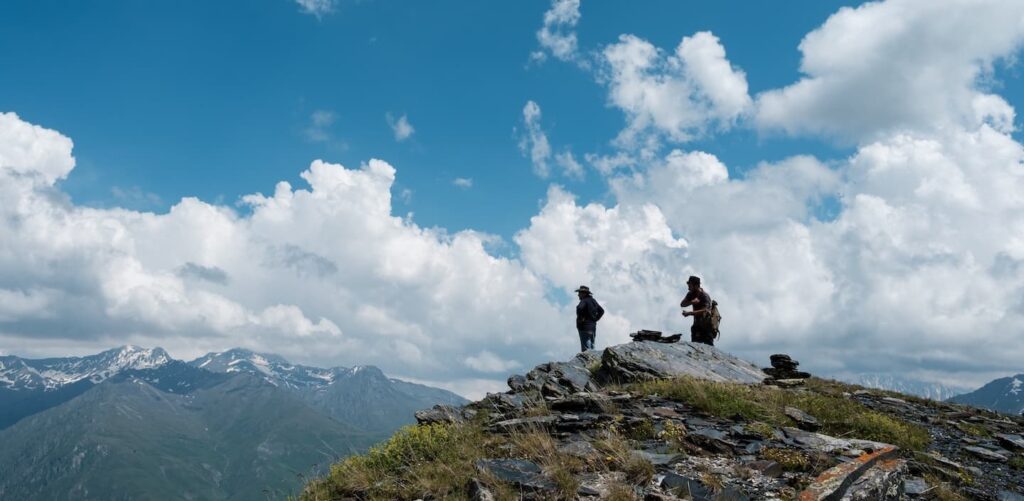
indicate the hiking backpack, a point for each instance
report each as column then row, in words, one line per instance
column 716, row 318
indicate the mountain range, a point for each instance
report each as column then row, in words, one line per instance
column 932, row 391
column 133, row 423
column 1003, row 395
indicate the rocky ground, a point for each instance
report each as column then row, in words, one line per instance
column 662, row 421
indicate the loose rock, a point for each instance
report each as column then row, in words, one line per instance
column 803, row 420
column 766, row 468
column 985, row 454
column 517, row 472
column 439, row 414
column 1011, row 441
column 914, row 487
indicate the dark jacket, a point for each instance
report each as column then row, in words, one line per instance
column 588, row 312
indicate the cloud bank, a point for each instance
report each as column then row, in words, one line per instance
column 285, row 277
column 917, row 268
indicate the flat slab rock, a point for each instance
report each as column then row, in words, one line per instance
column 641, row 360
column 1011, row 441
column 985, row 454
column 883, row 481
column 803, row 420
column 870, row 476
column 517, row 472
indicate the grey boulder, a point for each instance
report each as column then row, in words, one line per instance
column 641, row 361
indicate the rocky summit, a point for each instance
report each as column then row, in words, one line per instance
column 657, row 421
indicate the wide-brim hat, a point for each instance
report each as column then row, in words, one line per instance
column 693, row 280
column 583, row 288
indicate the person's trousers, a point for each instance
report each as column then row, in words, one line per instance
column 702, row 334
column 587, row 339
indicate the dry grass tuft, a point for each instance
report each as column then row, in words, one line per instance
column 621, row 492
column 618, row 456
column 942, row 491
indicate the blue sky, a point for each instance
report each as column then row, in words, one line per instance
column 845, row 177
column 211, row 99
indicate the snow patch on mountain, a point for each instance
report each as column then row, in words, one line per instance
column 272, row 368
column 19, row 373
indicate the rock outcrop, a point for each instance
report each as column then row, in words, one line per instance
column 640, row 361
column 691, row 453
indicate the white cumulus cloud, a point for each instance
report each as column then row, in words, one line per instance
column 678, row 96
column 899, row 65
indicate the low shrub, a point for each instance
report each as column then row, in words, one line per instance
column 789, row 459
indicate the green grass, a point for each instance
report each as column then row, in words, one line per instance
column 1017, row 463
column 641, row 430
column 838, row 416
column 437, row 459
column 763, row 430
column 974, row 429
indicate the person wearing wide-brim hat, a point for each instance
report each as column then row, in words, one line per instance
column 701, row 331
column 588, row 312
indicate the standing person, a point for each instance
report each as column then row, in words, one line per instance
column 588, row 312
column 701, row 331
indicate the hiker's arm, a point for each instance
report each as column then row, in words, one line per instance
column 694, row 312
column 687, row 301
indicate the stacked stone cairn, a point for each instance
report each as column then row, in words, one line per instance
column 783, row 372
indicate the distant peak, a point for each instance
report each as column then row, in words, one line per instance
column 367, row 370
column 127, row 348
column 232, row 354
column 131, row 349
